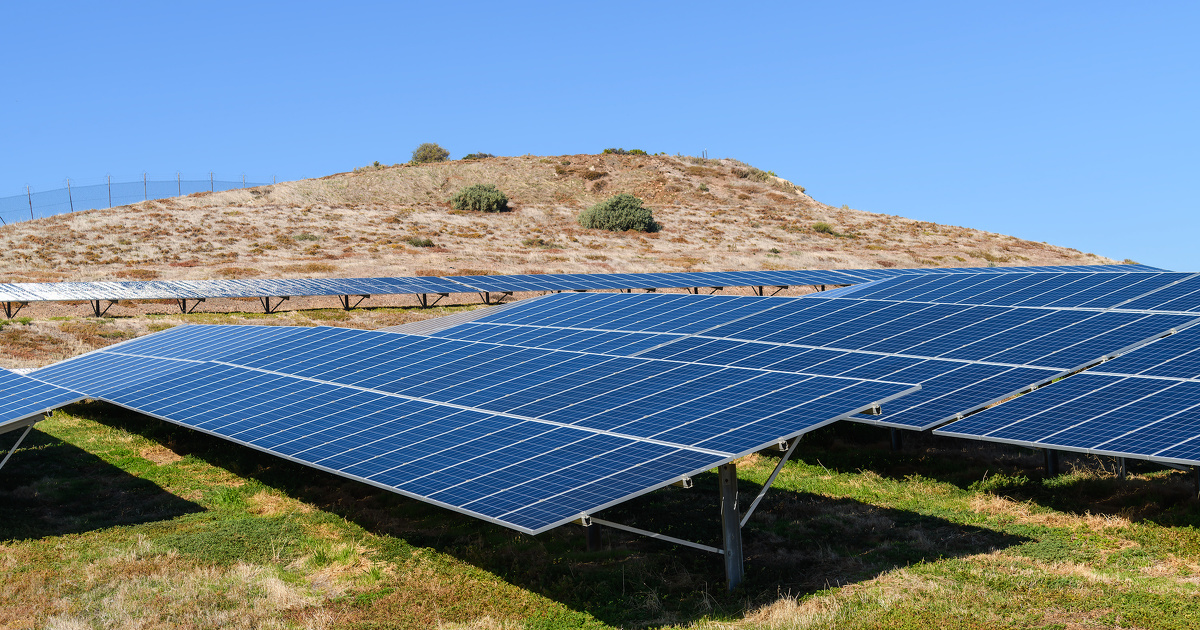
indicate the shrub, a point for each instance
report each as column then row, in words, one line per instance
column 480, row 198
column 477, row 156
column 624, row 152
column 370, row 167
column 619, row 213
column 417, row 241
column 429, row 152
column 824, row 228
column 754, row 174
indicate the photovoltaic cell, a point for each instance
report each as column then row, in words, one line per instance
column 197, row 289
column 1142, row 404
column 529, row 438
column 1105, row 290
column 22, row 397
column 964, row 356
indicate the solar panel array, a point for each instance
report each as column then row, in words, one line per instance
column 22, row 397
column 528, row 438
column 965, row 357
column 199, row 289
column 1143, row 404
column 1167, row 291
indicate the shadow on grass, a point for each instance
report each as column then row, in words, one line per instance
column 1088, row 483
column 50, row 487
column 796, row 542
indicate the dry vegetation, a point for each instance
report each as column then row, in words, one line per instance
column 717, row 215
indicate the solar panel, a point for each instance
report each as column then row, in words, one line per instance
column 1141, row 404
column 528, row 438
column 1056, row 290
column 22, row 397
column 197, row 289
column 965, row 357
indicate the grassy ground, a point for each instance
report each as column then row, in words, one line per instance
column 109, row 520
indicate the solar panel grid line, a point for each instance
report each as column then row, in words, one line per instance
column 1091, row 293
column 833, row 344
column 390, row 393
column 497, row 413
column 335, row 471
column 883, row 420
column 1098, row 448
column 1119, row 408
column 24, row 397
column 1051, row 409
column 1162, row 289
column 1135, row 328
column 706, row 463
column 512, row 464
column 1080, row 345
column 1049, row 378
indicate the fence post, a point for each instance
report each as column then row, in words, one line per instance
column 69, row 199
column 179, row 182
column 243, row 180
column 210, row 182
column 145, row 192
column 110, row 191
column 30, row 196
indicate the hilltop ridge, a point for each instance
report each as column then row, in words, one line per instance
column 717, row 214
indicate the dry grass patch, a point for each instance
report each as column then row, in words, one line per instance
column 1026, row 512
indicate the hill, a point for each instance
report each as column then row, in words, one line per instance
column 717, row 215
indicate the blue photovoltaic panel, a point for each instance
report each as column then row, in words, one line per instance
column 195, row 289
column 1180, row 296
column 1058, row 290
column 1142, row 404
column 22, row 397
column 964, row 356
column 529, row 438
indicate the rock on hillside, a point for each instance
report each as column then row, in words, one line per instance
column 717, row 215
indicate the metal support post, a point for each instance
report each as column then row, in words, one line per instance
column 97, row 311
column 757, row 290
column 12, row 308
column 183, row 307
column 897, row 440
column 423, row 299
column 770, row 480
column 18, row 444
column 266, row 303
column 1121, row 472
column 345, row 300
column 593, row 537
column 487, row 296
column 731, row 525
column 1197, row 469
column 1051, row 456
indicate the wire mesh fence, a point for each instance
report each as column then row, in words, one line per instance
column 38, row 204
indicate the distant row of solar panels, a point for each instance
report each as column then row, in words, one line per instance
column 201, row 289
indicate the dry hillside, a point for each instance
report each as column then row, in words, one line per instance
column 717, row 215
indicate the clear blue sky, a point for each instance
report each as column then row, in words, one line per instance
column 1074, row 123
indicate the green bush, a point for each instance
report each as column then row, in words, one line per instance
column 429, row 152
column 418, row 241
column 477, row 156
column 480, row 198
column 624, row 152
column 619, row 213
column 824, row 228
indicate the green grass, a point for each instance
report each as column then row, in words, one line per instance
column 108, row 516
